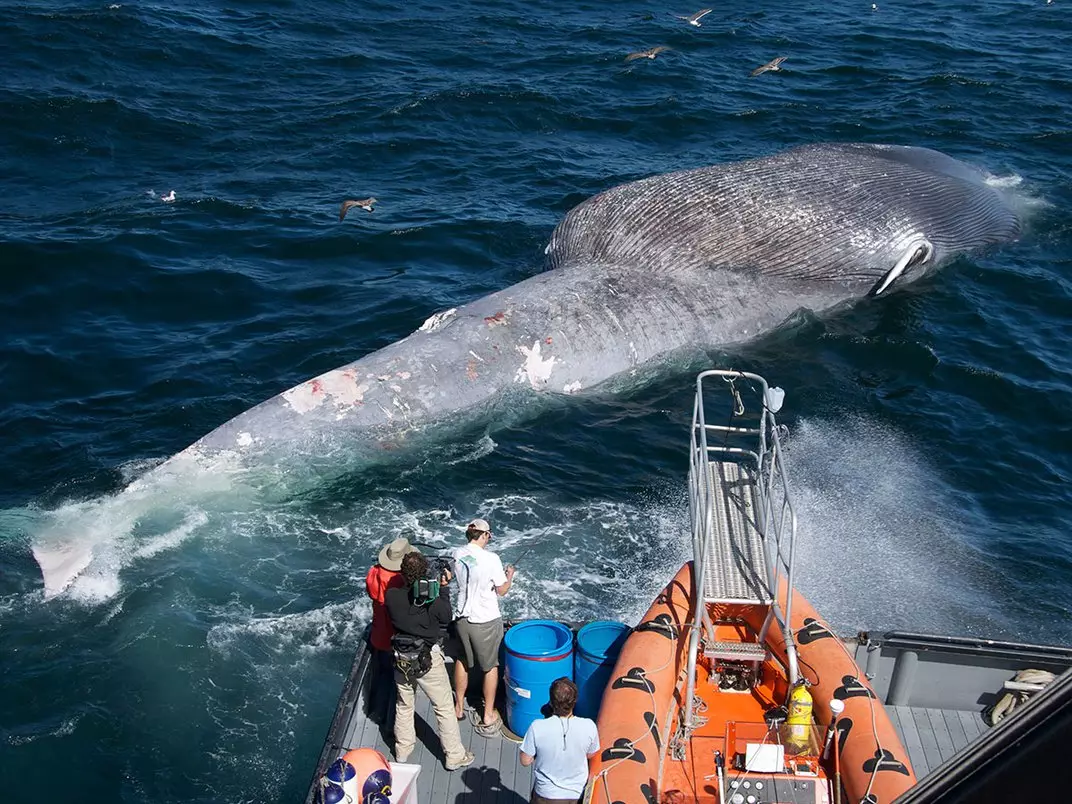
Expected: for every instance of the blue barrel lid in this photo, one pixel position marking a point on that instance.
(602, 639)
(538, 638)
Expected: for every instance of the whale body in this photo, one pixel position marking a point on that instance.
(697, 258)
(694, 259)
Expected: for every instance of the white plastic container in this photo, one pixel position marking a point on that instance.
(404, 782)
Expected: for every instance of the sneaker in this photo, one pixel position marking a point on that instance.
(466, 760)
(402, 757)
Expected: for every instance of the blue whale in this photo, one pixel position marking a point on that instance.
(642, 272)
(697, 258)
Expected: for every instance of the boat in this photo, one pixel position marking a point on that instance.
(732, 689)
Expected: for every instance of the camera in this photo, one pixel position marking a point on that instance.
(437, 565)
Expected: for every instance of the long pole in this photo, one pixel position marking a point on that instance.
(837, 769)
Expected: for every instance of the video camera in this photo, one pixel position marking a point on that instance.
(426, 590)
(437, 565)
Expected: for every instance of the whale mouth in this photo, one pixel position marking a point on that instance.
(918, 253)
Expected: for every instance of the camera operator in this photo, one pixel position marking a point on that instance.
(420, 613)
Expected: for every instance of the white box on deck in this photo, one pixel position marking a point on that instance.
(404, 782)
(764, 758)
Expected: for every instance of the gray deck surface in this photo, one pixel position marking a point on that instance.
(931, 736)
(495, 776)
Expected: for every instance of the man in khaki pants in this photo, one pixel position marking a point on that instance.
(420, 613)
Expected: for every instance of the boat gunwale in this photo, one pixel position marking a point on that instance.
(976, 646)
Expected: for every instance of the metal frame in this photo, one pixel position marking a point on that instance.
(757, 446)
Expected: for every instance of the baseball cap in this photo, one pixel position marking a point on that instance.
(479, 524)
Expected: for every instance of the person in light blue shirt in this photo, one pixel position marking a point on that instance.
(559, 748)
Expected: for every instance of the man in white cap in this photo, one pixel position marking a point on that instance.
(382, 576)
(482, 580)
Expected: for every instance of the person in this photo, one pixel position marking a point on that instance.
(482, 580)
(420, 616)
(384, 575)
(560, 749)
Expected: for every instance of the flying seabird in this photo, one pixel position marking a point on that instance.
(695, 18)
(770, 65)
(647, 54)
(364, 203)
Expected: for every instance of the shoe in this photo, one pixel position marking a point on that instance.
(400, 758)
(466, 760)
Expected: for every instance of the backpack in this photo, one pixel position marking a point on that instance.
(413, 656)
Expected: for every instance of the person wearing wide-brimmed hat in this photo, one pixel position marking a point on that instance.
(384, 575)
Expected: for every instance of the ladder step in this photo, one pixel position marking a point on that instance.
(739, 651)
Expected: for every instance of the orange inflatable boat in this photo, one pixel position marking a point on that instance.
(732, 689)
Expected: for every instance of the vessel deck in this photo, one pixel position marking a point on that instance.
(931, 736)
(496, 774)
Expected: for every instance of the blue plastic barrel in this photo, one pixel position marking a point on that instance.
(598, 646)
(537, 652)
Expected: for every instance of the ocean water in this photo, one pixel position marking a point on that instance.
(200, 656)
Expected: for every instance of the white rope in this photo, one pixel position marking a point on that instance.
(1013, 698)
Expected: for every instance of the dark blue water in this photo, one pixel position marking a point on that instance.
(200, 656)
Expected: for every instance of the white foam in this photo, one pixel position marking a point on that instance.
(289, 635)
(172, 538)
(880, 545)
(66, 726)
(1023, 198)
(1004, 182)
(92, 541)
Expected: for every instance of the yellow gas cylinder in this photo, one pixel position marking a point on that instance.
(798, 722)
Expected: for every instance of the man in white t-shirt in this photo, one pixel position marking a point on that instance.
(559, 748)
(482, 580)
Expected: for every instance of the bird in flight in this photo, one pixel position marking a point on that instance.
(770, 65)
(694, 19)
(647, 54)
(364, 203)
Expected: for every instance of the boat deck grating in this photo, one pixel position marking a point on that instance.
(743, 651)
(932, 736)
(736, 568)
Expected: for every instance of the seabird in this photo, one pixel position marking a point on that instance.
(647, 54)
(770, 65)
(168, 198)
(695, 18)
(364, 203)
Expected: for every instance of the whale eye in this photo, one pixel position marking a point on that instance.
(916, 254)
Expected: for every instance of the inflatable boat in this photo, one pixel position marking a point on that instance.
(732, 689)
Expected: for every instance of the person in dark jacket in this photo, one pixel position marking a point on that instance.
(420, 622)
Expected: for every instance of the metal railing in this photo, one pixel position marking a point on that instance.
(750, 438)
